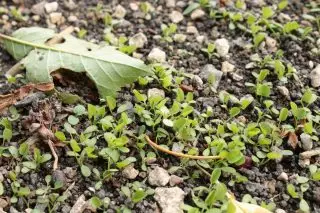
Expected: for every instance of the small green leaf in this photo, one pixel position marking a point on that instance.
(283, 4)
(303, 205)
(292, 191)
(258, 38)
(112, 103)
(73, 120)
(274, 155)
(7, 134)
(79, 110)
(215, 175)
(126, 162)
(74, 145)
(309, 97)
(283, 114)
(85, 170)
(95, 202)
(267, 12)
(191, 8)
(60, 136)
(234, 111)
(263, 90)
(138, 195)
(290, 26)
(316, 176)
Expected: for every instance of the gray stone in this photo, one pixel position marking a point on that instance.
(227, 67)
(158, 177)
(130, 172)
(208, 71)
(192, 30)
(175, 180)
(197, 14)
(200, 39)
(155, 92)
(271, 44)
(59, 176)
(237, 77)
(38, 9)
(170, 3)
(222, 47)
(157, 55)
(120, 12)
(56, 18)
(284, 91)
(138, 40)
(134, 6)
(197, 81)
(51, 7)
(3, 203)
(176, 16)
(70, 172)
(69, 4)
(170, 199)
(80, 205)
(66, 209)
(315, 76)
(280, 211)
(180, 38)
(72, 18)
(306, 141)
(283, 176)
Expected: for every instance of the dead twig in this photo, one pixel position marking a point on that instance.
(55, 156)
(177, 154)
(18, 67)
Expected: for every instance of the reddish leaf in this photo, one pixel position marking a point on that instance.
(186, 88)
(293, 140)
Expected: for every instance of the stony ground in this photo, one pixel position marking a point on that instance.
(238, 79)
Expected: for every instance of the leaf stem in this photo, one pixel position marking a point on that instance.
(177, 154)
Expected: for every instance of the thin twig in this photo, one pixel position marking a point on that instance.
(177, 154)
(55, 156)
(18, 67)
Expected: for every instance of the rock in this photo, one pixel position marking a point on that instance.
(36, 18)
(175, 180)
(155, 92)
(192, 30)
(304, 163)
(237, 77)
(227, 67)
(38, 9)
(72, 18)
(130, 172)
(70, 172)
(1, 211)
(280, 211)
(158, 177)
(134, 6)
(170, 3)
(306, 141)
(176, 16)
(180, 38)
(56, 18)
(283, 176)
(181, 4)
(51, 7)
(222, 47)
(170, 199)
(271, 44)
(70, 5)
(59, 176)
(157, 55)
(284, 91)
(120, 12)
(80, 205)
(197, 82)
(197, 14)
(315, 76)
(13, 210)
(208, 71)
(138, 40)
(66, 209)
(200, 39)
(3, 203)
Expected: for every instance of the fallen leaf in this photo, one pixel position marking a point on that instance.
(293, 140)
(9, 99)
(108, 68)
(186, 88)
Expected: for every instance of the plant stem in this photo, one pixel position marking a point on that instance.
(177, 154)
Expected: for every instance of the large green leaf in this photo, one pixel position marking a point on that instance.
(108, 68)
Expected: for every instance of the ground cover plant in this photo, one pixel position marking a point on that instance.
(159, 106)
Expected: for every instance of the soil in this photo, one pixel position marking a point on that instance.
(263, 181)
